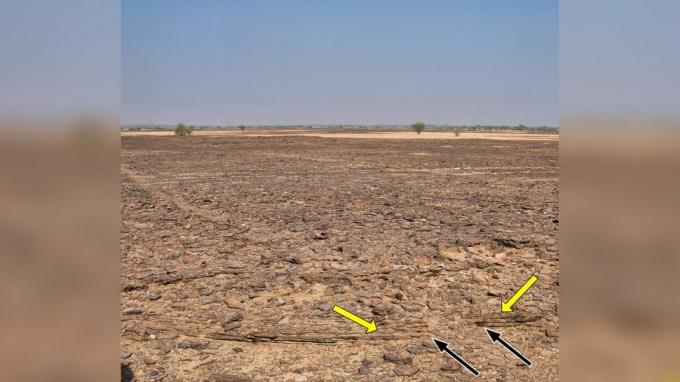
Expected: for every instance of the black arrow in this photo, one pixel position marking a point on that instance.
(444, 347)
(496, 337)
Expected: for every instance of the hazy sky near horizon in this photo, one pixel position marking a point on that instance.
(352, 61)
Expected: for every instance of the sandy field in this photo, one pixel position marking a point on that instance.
(500, 135)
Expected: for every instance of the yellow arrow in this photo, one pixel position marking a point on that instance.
(506, 306)
(370, 326)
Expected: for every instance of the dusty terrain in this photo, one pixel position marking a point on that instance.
(365, 134)
(235, 249)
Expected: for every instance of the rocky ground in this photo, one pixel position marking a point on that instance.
(235, 249)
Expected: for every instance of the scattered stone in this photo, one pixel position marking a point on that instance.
(364, 370)
(227, 326)
(411, 308)
(495, 292)
(276, 302)
(133, 310)
(416, 349)
(406, 371)
(397, 359)
(429, 344)
(382, 310)
(153, 296)
(150, 361)
(229, 378)
(498, 362)
(167, 335)
(234, 303)
(323, 306)
(320, 235)
(237, 350)
(193, 344)
(450, 367)
(512, 242)
(551, 333)
(234, 316)
(153, 373)
(453, 253)
(132, 285)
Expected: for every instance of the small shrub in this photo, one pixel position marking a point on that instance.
(183, 130)
(418, 127)
(456, 133)
(242, 128)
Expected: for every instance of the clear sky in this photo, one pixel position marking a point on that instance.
(350, 61)
(59, 58)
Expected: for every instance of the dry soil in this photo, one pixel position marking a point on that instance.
(235, 248)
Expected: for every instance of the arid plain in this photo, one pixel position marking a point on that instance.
(236, 246)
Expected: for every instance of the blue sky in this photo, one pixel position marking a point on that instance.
(357, 62)
(59, 58)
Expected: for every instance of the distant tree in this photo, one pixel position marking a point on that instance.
(418, 127)
(456, 132)
(242, 128)
(183, 130)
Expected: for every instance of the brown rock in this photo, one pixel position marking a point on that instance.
(233, 316)
(234, 303)
(363, 370)
(498, 362)
(397, 359)
(153, 296)
(500, 257)
(429, 344)
(551, 333)
(227, 326)
(416, 349)
(196, 343)
(320, 235)
(133, 310)
(150, 361)
(323, 306)
(453, 253)
(229, 378)
(450, 366)
(406, 371)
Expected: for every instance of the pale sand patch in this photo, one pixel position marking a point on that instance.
(494, 135)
